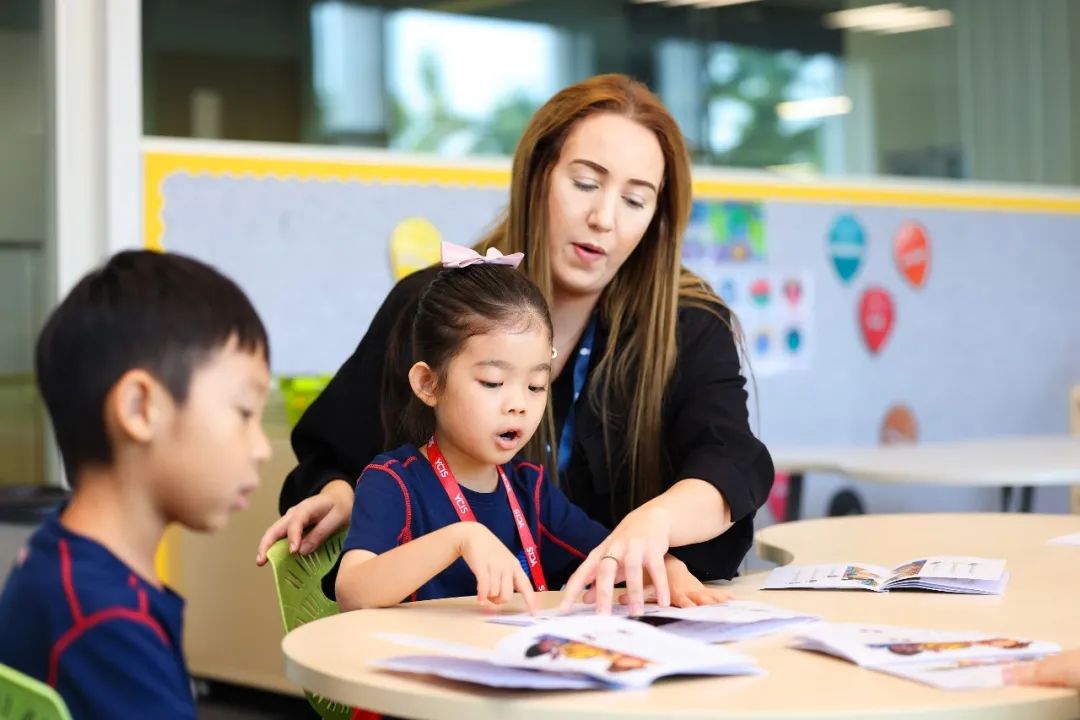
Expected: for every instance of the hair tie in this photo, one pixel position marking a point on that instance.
(458, 256)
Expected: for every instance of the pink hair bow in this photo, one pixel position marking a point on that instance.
(457, 256)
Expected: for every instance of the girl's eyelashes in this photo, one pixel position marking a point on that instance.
(490, 385)
(585, 185)
(538, 388)
(636, 203)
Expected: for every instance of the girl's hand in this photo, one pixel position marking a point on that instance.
(686, 589)
(637, 545)
(328, 511)
(498, 572)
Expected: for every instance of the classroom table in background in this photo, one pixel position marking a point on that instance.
(1022, 461)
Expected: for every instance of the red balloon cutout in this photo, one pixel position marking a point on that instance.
(876, 313)
(911, 250)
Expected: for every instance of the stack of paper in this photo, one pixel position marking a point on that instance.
(572, 653)
(724, 622)
(944, 659)
(945, 573)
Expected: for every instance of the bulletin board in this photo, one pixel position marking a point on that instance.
(978, 335)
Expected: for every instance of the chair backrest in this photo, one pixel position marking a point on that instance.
(298, 579)
(24, 698)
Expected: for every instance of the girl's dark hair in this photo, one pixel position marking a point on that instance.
(457, 304)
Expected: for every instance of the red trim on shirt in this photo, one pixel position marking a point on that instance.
(406, 532)
(409, 461)
(561, 543)
(536, 502)
(84, 623)
(69, 585)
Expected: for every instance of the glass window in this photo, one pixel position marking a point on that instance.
(22, 240)
(934, 89)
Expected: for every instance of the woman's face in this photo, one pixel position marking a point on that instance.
(601, 199)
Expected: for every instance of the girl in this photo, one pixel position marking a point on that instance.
(482, 353)
(647, 428)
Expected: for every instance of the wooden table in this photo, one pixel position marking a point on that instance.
(991, 462)
(332, 656)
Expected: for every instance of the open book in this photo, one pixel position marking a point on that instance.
(945, 573)
(723, 622)
(945, 659)
(571, 653)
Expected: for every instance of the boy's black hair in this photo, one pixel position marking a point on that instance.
(163, 313)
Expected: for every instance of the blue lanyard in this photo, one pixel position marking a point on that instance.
(581, 372)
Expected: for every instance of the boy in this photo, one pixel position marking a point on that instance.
(154, 370)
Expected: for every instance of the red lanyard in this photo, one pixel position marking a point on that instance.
(457, 497)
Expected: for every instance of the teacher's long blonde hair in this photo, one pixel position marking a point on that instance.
(640, 305)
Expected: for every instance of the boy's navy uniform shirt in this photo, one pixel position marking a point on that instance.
(74, 616)
(399, 497)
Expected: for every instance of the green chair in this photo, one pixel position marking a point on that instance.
(298, 579)
(24, 698)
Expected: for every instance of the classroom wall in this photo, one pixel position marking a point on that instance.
(984, 348)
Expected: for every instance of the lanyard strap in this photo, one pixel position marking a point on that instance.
(466, 514)
(581, 372)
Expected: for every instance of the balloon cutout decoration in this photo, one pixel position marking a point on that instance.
(847, 243)
(899, 426)
(414, 244)
(911, 250)
(876, 315)
(759, 292)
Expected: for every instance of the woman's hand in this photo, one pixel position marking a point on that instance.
(1056, 671)
(498, 571)
(636, 546)
(686, 589)
(328, 511)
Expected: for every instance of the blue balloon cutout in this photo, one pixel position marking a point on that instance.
(847, 242)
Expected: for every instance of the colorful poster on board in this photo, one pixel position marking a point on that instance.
(846, 245)
(876, 315)
(774, 308)
(911, 251)
(724, 231)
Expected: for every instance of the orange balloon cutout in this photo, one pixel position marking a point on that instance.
(876, 313)
(899, 426)
(911, 250)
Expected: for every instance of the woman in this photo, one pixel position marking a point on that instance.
(648, 422)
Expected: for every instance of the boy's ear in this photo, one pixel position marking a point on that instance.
(136, 406)
(424, 382)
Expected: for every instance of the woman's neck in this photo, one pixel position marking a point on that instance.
(468, 471)
(569, 316)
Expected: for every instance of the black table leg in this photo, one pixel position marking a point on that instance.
(1006, 496)
(1027, 496)
(794, 496)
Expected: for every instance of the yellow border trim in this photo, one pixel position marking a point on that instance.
(158, 165)
(888, 197)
